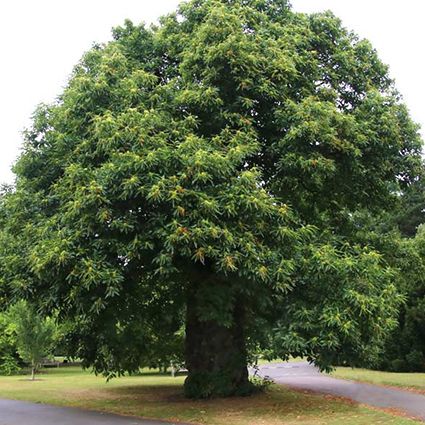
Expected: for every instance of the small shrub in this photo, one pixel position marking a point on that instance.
(8, 365)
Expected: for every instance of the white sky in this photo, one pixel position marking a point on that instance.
(42, 40)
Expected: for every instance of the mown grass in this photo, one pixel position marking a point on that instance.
(261, 361)
(157, 396)
(413, 381)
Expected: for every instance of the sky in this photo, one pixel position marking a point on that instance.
(42, 40)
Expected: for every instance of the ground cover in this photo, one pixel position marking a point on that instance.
(412, 381)
(159, 396)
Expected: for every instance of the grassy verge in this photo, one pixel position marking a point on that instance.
(411, 381)
(155, 396)
(291, 360)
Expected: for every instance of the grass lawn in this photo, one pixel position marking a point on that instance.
(414, 381)
(157, 396)
(291, 360)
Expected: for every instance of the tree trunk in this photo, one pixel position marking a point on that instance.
(216, 356)
(33, 373)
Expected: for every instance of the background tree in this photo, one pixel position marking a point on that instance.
(405, 349)
(33, 334)
(9, 358)
(411, 212)
(176, 181)
(391, 233)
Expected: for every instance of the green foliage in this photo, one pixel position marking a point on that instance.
(25, 337)
(8, 365)
(405, 350)
(221, 153)
(349, 321)
(33, 334)
(411, 213)
(8, 355)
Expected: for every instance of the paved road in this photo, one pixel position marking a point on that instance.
(301, 375)
(23, 413)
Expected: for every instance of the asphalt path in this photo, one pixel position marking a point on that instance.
(22, 413)
(303, 376)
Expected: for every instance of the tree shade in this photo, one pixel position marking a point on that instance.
(199, 176)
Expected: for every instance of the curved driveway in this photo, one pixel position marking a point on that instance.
(301, 375)
(22, 413)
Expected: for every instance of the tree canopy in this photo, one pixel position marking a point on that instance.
(200, 175)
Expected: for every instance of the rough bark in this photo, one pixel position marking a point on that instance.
(216, 356)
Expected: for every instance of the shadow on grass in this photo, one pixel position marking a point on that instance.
(274, 401)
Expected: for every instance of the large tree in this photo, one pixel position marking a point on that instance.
(201, 174)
